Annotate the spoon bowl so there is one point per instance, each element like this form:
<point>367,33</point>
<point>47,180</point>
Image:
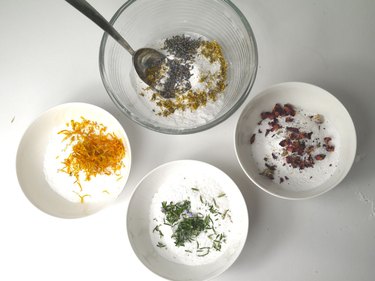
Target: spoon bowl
<point>147,62</point>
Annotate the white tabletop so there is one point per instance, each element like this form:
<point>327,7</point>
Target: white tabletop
<point>49,56</point>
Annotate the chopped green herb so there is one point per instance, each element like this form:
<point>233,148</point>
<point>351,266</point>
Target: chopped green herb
<point>213,199</point>
<point>164,221</point>
<point>158,230</point>
<point>213,210</point>
<point>195,189</point>
<point>188,229</point>
<point>216,245</point>
<point>225,214</point>
<point>204,254</point>
<point>201,198</point>
<point>174,211</point>
<point>160,245</point>
<point>221,195</point>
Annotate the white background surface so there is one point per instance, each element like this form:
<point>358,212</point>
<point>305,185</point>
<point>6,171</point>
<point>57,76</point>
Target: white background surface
<point>49,56</point>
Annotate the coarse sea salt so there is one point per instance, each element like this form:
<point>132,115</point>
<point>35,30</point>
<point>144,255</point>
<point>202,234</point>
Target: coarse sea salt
<point>101,188</point>
<point>196,191</point>
<point>298,179</point>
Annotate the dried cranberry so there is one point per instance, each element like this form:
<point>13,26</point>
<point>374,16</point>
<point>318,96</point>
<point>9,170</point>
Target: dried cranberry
<point>330,148</point>
<point>327,140</point>
<point>292,129</point>
<point>265,115</point>
<point>320,156</point>
<point>289,109</point>
<point>278,110</point>
<point>283,143</point>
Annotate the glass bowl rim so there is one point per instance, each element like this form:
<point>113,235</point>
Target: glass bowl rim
<point>199,128</point>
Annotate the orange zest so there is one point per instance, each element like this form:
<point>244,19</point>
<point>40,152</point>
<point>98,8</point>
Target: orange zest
<point>94,151</point>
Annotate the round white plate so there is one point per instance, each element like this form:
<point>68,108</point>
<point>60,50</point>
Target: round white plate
<point>33,149</point>
<point>309,98</point>
<point>139,221</point>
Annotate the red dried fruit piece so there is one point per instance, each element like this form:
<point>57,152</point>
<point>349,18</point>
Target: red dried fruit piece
<point>290,148</point>
<point>289,109</point>
<point>302,136</point>
<point>278,110</point>
<point>294,161</point>
<point>265,115</point>
<point>252,139</point>
<point>296,146</point>
<point>294,136</point>
<point>330,148</point>
<point>283,143</point>
<point>327,140</point>
<point>292,129</point>
<point>310,149</point>
<point>298,135</point>
<point>320,156</point>
<point>327,146</point>
<point>289,119</point>
<point>276,127</point>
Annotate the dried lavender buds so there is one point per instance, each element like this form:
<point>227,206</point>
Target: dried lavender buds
<point>194,73</point>
<point>290,145</point>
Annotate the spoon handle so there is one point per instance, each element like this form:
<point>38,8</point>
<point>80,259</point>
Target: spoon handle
<point>90,12</point>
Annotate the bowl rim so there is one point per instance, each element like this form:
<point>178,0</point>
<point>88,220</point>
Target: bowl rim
<point>300,84</point>
<point>200,128</point>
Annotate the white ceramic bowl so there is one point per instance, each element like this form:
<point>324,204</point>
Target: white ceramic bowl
<point>31,157</point>
<point>309,98</point>
<point>139,221</point>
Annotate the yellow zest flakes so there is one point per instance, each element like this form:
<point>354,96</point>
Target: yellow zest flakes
<point>82,197</point>
<point>94,151</point>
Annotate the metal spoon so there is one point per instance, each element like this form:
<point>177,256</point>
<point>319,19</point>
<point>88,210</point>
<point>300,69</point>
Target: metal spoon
<point>143,59</point>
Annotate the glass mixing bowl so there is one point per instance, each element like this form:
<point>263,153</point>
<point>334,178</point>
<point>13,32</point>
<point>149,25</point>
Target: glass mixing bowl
<point>144,22</point>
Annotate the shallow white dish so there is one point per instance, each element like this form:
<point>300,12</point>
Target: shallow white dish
<point>31,156</point>
<point>138,220</point>
<point>310,98</point>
